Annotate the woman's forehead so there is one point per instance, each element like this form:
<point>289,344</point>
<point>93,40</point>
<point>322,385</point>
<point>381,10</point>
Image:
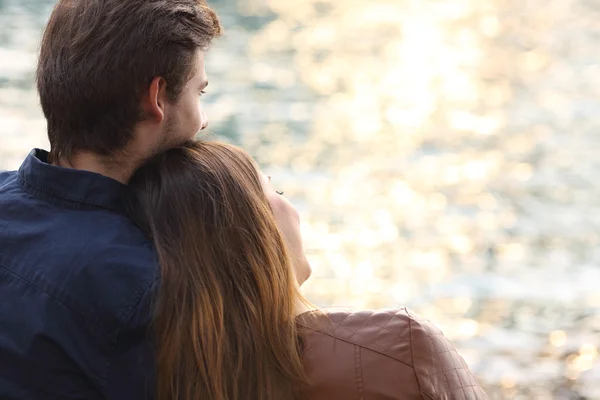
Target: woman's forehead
<point>264,178</point>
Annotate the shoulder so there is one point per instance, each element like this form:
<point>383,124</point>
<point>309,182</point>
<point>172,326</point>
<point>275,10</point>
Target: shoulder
<point>116,272</point>
<point>383,331</point>
<point>108,280</point>
<point>441,372</point>
<point>401,335</point>
<point>7,177</point>
<point>96,264</point>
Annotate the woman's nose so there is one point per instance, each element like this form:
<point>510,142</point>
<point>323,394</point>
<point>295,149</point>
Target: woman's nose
<point>204,120</point>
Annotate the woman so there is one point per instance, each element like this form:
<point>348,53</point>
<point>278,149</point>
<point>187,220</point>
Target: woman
<point>231,323</point>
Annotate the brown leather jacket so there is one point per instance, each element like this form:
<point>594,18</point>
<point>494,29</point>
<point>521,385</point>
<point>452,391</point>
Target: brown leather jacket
<point>377,355</point>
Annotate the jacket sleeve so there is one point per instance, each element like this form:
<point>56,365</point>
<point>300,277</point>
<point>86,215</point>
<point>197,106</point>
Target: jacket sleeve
<point>131,374</point>
<point>441,372</point>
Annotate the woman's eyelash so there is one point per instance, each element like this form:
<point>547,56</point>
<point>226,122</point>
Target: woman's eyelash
<point>279,193</point>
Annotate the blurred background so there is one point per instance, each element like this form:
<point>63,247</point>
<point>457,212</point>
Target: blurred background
<point>443,155</point>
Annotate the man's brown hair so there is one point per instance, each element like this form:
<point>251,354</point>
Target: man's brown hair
<point>98,57</point>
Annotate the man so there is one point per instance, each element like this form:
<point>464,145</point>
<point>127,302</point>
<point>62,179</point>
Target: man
<point>119,80</point>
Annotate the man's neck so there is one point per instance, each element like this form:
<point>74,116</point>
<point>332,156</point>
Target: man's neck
<point>111,167</point>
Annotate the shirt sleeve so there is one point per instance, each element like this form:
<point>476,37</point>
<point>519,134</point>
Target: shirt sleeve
<point>441,372</point>
<point>131,373</point>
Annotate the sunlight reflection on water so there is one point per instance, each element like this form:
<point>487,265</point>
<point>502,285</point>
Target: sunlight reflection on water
<point>441,154</point>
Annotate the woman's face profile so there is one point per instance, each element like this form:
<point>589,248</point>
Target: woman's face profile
<point>288,221</point>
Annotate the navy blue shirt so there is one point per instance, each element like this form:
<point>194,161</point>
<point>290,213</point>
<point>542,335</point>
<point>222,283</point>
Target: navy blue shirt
<point>76,284</point>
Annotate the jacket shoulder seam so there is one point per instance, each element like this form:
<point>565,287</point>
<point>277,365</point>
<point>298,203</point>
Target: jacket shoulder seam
<point>427,395</point>
<point>357,344</point>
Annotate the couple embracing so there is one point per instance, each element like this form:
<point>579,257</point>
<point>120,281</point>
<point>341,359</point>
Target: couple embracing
<point>137,263</point>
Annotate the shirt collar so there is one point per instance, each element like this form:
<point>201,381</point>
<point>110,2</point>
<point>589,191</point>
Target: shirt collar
<point>70,185</point>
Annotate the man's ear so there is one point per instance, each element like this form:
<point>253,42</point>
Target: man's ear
<point>154,101</point>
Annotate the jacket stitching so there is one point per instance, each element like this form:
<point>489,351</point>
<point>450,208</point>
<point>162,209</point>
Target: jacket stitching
<point>355,344</point>
<point>359,377</point>
<point>412,355</point>
<point>443,370</point>
<point>361,327</point>
<point>462,385</point>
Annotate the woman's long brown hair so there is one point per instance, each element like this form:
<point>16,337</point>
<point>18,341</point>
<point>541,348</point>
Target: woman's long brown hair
<point>225,309</point>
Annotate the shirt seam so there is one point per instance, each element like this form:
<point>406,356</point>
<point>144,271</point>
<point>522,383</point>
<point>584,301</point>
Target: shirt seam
<point>140,296</point>
<point>54,297</point>
<point>38,190</point>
